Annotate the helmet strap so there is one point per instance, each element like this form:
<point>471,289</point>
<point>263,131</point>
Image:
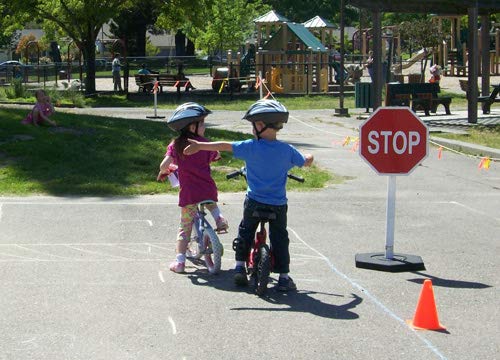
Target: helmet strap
<point>257,132</point>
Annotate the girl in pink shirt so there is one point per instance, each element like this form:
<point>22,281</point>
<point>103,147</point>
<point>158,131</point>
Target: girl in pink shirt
<point>41,111</point>
<point>196,183</point>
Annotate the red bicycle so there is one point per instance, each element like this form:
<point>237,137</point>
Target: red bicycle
<point>260,261</point>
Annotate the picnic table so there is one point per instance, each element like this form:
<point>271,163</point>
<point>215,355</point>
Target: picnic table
<point>489,100</point>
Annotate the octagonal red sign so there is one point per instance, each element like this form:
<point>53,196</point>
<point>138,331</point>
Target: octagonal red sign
<point>393,140</point>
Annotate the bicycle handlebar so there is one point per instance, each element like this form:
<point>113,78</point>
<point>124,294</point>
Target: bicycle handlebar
<point>242,172</point>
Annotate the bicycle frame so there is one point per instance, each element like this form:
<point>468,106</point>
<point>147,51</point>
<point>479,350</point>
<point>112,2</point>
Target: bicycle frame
<point>207,242</point>
<point>260,260</point>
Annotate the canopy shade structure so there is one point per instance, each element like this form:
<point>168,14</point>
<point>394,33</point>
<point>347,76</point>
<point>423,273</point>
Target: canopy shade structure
<point>441,7</point>
<point>303,35</point>
<point>318,22</point>
<point>270,17</point>
<point>472,8</point>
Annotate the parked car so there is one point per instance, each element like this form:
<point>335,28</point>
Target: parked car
<point>8,65</point>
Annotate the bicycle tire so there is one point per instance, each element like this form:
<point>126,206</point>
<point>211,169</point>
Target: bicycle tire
<point>263,270</point>
<point>213,251</point>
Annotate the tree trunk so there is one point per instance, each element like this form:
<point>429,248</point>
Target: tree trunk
<point>140,41</point>
<point>180,43</point>
<point>88,50</point>
<point>189,48</point>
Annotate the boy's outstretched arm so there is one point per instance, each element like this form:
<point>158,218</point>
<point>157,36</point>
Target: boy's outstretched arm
<point>196,146</point>
<point>309,159</point>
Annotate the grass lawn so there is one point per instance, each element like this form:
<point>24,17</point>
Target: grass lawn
<point>480,135</point>
<point>99,156</point>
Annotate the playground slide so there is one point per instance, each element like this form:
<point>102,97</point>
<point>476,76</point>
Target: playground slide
<point>417,57</point>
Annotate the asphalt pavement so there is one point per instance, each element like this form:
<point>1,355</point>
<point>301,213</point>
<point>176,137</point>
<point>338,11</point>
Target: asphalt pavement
<point>87,278</point>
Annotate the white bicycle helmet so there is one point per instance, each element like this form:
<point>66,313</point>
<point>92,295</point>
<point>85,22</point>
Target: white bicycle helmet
<point>267,111</point>
<point>186,114</point>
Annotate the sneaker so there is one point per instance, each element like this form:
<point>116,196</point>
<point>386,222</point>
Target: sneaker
<point>177,267</point>
<point>221,224</point>
<point>286,284</point>
<point>240,278</point>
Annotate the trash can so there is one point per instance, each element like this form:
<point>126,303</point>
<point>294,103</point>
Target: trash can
<point>363,94</point>
<point>63,75</point>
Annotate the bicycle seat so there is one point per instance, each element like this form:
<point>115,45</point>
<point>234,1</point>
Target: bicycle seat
<point>264,214</point>
<point>204,202</point>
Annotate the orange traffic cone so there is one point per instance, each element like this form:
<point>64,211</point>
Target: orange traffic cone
<point>426,317</point>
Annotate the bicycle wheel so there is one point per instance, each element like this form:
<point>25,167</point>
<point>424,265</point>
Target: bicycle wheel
<point>263,270</point>
<point>212,250</point>
<point>194,251</point>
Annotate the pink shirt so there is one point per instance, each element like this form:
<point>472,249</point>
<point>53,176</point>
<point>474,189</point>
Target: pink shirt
<point>196,183</point>
<point>43,108</point>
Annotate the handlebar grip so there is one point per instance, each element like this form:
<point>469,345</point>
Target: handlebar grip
<point>296,178</point>
<point>233,174</point>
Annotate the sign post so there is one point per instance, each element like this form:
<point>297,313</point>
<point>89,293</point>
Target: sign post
<point>155,94</point>
<point>393,141</point>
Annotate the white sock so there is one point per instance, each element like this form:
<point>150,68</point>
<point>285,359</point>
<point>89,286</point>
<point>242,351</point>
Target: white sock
<point>240,263</point>
<point>215,212</point>
<point>181,258</point>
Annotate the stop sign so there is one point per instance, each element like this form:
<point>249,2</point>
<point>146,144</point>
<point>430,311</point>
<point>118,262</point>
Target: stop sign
<point>393,140</point>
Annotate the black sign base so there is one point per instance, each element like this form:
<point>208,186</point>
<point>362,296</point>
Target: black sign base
<point>399,263</point>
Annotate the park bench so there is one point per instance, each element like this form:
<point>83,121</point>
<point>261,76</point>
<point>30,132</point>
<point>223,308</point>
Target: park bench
<point>422,96</point>
<point>144,82</point>
<point>489,100</point>
<point>171,80</point>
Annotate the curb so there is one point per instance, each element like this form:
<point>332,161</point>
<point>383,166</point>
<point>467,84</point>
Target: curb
<point>471,148</point>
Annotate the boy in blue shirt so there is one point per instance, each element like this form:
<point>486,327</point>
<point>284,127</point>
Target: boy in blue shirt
<point>267,162</point>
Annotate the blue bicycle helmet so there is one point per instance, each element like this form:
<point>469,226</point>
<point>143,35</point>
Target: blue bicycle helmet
<point>186,114</point>
<point>267,111</point>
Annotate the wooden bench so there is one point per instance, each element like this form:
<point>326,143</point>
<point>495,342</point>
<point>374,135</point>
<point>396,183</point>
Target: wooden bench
<point>171,80</point>
<point>145,82</point>
<point>423,96</point>
<point>489,100</point>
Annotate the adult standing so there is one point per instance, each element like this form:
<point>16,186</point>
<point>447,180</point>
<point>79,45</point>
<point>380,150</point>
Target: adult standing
<point>115,69</point>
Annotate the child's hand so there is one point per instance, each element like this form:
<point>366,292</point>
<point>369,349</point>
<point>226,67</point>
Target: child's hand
<point>162,175</point>
<point>192,148</point>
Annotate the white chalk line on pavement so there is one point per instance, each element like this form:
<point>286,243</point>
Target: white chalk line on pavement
<point>149,222</point>
<point>370,296</point>
<point>73,203</point>
<point>42,252</point>
<point>471,209</point>
<point>316,128</point>
<point>172,323</point>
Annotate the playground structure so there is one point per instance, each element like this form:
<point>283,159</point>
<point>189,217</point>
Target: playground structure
<point>451,55</point>
<point>289,56</point>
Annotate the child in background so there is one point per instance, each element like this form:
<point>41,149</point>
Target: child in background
<point>196,183</point>
<point>267,162</point>
<point>41,111</point>
<point>435,71</point>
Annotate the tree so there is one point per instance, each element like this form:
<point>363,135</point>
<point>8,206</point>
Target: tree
<point>228,24</point>
<point>132,24</point>
<point>80,20</point>
<point>421,34</point>
<point>26,49</point>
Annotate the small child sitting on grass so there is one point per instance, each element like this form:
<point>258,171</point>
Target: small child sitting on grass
<point>41,111</point>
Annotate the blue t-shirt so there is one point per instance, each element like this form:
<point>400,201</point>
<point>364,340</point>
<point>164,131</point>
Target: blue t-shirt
<point>267,164</point>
